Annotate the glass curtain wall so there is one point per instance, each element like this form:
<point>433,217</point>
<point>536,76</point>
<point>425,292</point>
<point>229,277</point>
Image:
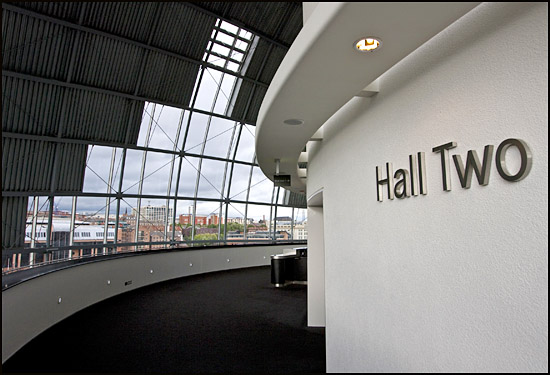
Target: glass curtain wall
<point>191,180</point>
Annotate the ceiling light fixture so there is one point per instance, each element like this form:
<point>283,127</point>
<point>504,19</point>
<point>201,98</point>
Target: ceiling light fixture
<point>368,44</point>
<point>293,121</point>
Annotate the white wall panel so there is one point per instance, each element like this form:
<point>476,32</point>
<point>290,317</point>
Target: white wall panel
<point>450,281</point>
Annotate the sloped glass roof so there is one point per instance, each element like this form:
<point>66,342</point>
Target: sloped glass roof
<point>130,126</point>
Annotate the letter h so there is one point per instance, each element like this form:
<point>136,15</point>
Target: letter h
<point>386,181</point>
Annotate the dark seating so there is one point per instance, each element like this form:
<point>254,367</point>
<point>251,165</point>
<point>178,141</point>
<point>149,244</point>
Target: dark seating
<point>289,268</point>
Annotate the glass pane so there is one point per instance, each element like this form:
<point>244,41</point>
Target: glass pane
<point>242,45</point>
<point>39,235</point>
<point>206,221</point>
<point>153,215</point>
<point>174,175</point>
<point>208,88</point>
<point>145,119</point>
<point>157,173</point>
<point>219,136</point>
<point>279,196</point>
<point>219,49</point>
<point>195,135</point>
<point>225,93</point>
<point>261,187</point>
<point>132,171</point>
<point>239,184</point>
<point>126,232</point>
<point>229,27</point>
<point>300,224</point>
<point>184,222</point>
<point>246,148</point>
<point>233,66</point>
<point>245,34</point>
<point>237,56</point>
<point>218,61</point>
<point>211,179</point>
<point>61,223</point>
<point>96,175</point>
<point>234,142</point>
<point>225,38</point>
<point>284,223</point>
<point>90,224</point>
<point>165,128</point>
<point>258,222</point>
<point>183,129</point>
<point>127,228</point>
<point>188,177</point>
<point>235,223</point>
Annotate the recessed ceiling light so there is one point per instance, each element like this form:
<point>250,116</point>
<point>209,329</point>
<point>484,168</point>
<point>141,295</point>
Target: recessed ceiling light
<point>293,121</point>
<point>367,44</point>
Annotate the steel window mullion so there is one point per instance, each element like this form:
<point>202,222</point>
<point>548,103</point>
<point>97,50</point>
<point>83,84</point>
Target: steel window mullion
<point>292,225</point>
<point>224,181</point>
<point>271,211</point>
<point>208,52</point>
<point>223,44</point>
<point>72,225</point>
<point>231,179</point>
<point>226,58</point>
<point>108,203</point>
<point>139,80</point>
<point>200,168</point>
<point>119,192</point>
<point>229,33</point>
<point>182,154</point>
<point>247,198</point>
<point>232,47</point>
<point>142,174</point>
<point>275,218</point>
<point>50,219</point>
<point>170,177</point>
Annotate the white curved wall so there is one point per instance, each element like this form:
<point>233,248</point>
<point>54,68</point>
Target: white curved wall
<point>450,281</point>
<point>31,307</point>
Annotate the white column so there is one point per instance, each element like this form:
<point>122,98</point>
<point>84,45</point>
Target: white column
<point>315,268</point>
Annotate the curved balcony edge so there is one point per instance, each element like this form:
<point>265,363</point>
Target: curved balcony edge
<point>37,303</point>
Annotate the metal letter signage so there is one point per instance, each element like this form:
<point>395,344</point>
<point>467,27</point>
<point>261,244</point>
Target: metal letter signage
<point>526,159</point>
<point>472,163</point>
<point>445,163</point>
<point>413,182</point>
<point>388,180</point>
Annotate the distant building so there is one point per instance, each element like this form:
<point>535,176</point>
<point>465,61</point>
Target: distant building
<point>214,220</point>
<point>153,214</point>
<point>84,233</point>
<point>239,220</point>
<point>188,219</point>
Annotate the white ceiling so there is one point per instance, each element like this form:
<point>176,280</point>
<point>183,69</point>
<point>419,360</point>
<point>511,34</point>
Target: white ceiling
<point>322,71</point>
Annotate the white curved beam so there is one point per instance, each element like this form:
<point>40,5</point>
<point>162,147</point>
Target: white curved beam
<point>322,71</point>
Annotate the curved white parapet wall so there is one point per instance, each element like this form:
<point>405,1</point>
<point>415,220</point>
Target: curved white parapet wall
<point>322,70</point>
<point>33,306</point>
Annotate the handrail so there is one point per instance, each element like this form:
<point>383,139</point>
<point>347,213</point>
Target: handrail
<point>175,246</point>
<point>12,278</point>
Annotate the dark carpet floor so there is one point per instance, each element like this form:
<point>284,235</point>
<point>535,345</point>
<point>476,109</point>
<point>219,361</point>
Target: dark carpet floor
<point>223,322</point>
